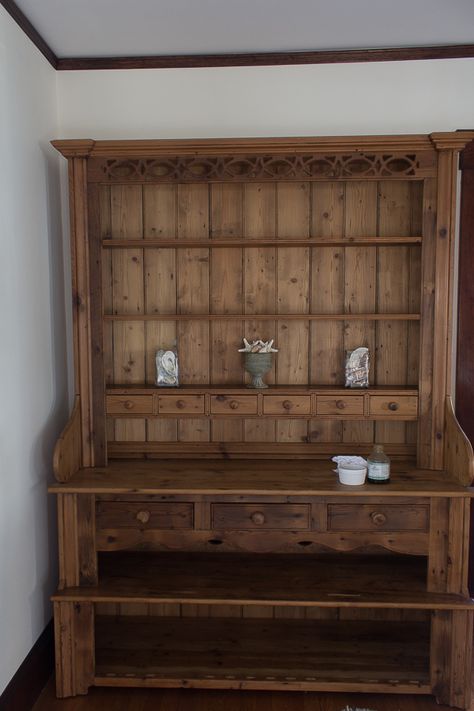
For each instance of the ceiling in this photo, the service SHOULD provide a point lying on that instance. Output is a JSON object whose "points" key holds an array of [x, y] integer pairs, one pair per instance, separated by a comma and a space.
{"points": [[127, 28]]}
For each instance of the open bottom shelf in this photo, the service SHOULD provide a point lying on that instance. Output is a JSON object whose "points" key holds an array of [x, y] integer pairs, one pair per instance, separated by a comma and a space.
{"points": [[262, 654]]}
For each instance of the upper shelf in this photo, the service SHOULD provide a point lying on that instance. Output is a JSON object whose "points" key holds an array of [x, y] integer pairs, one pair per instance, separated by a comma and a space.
{"points": [[263, 317], [260, 242]]}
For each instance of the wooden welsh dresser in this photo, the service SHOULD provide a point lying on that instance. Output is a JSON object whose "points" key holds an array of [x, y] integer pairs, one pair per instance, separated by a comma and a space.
{"points": [[204, 539]]}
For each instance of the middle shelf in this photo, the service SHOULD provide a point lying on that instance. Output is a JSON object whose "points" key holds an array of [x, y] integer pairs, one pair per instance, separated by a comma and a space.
{"points": [[372, 581]]}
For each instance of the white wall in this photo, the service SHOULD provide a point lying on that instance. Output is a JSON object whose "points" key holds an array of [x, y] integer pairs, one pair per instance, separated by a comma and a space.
{"points": [[32, 342], [337, 99]]}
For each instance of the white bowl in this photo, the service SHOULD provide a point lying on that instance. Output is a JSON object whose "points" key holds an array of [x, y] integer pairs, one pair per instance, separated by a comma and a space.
{"points": [[352, 475]]}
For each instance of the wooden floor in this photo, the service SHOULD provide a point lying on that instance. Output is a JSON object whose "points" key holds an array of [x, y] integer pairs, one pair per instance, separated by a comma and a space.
{"points": [[189, 700]]}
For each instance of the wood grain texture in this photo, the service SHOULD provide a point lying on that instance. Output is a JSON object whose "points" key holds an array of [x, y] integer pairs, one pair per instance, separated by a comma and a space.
{"points": [[458, 454], [67, 458], [74, 635]]}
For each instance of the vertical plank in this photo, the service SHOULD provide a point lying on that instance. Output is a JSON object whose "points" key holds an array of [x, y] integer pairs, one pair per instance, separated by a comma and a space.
{"points": [[226, 210], [327, 210], [425, 411], [74, 641], [67, 541], [259, 215], [327, 296], [128, 298], [293, 221], [193, 211], [359, 283], [160, 220], [160, 211], [443, 296], [86, 546], [95, 229], [438, 545], [391, 342], [193, 297], [81, 301]]}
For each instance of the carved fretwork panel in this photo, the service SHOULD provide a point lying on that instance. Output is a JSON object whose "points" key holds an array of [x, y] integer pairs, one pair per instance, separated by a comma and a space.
{"points": [[263, 167]]}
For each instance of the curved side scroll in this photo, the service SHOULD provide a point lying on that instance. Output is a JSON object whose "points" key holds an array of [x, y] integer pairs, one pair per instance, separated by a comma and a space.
{"points": [[67, 452], [458, 454]]}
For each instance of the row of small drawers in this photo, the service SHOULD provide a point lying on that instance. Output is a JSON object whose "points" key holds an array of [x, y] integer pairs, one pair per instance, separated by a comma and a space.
{"points": [[249, 516], [348, 405]]}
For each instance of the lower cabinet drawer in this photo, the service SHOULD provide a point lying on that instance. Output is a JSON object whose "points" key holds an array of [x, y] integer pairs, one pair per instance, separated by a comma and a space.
{"points": [[378, 517], [405, 405], [295, 405], [181, 404], [234, 404], [145, 515], [133, 405], [261, 516]]}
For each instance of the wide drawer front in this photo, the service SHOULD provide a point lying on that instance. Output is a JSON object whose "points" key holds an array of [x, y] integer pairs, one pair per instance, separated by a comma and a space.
{"points": [[295, 405], [132, 405], [378, 517], [128, 514], [405, 405], [234, 404], [181, 404], [261, 516]]}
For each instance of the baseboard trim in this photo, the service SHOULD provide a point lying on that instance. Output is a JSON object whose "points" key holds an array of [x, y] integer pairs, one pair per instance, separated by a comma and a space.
{"points": [[31, 678]]}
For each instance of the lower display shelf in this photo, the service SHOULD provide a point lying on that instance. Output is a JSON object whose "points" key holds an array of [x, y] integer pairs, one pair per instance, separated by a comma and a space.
{"points": [[259, 654], [234, 579]]}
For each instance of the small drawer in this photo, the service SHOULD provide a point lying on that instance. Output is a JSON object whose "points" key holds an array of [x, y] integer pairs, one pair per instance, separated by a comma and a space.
{"points": [[345, 405], [383, 517], [129, 405], [234, 404], [281, 517], [295, 405], [404, 406], [181, 404], [148, 515]]}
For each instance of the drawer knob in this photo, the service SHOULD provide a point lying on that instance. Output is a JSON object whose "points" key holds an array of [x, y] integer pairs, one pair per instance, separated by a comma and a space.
{"points": [[287, 404], [128, 405], [180, 404], [340, 404], [393, 406], [233, 404], [258, 518], [378, 518], [143, 516]]}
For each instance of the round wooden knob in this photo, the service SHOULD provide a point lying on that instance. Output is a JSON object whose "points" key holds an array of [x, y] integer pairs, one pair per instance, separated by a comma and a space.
{"points": [[143, 516], [180, 404], [393, 406], [128, 405], [287, 404], [258, 518], [340, 404], [233, 404], [378, 518]]}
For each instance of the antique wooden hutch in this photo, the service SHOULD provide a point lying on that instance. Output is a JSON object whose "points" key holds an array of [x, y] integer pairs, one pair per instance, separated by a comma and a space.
{"points": [[204, 539]]}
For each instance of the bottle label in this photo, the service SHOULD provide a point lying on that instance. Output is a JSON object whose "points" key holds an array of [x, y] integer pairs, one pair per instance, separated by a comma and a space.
{"points": [[378, 471]]}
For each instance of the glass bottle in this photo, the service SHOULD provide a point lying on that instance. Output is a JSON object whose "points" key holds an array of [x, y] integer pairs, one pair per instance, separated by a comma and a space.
{"points": [[378, 466]]}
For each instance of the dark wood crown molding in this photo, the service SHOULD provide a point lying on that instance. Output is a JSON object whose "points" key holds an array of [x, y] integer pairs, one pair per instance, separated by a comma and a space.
{"points": [[255, 59], [260, 59], [30, 31]]}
